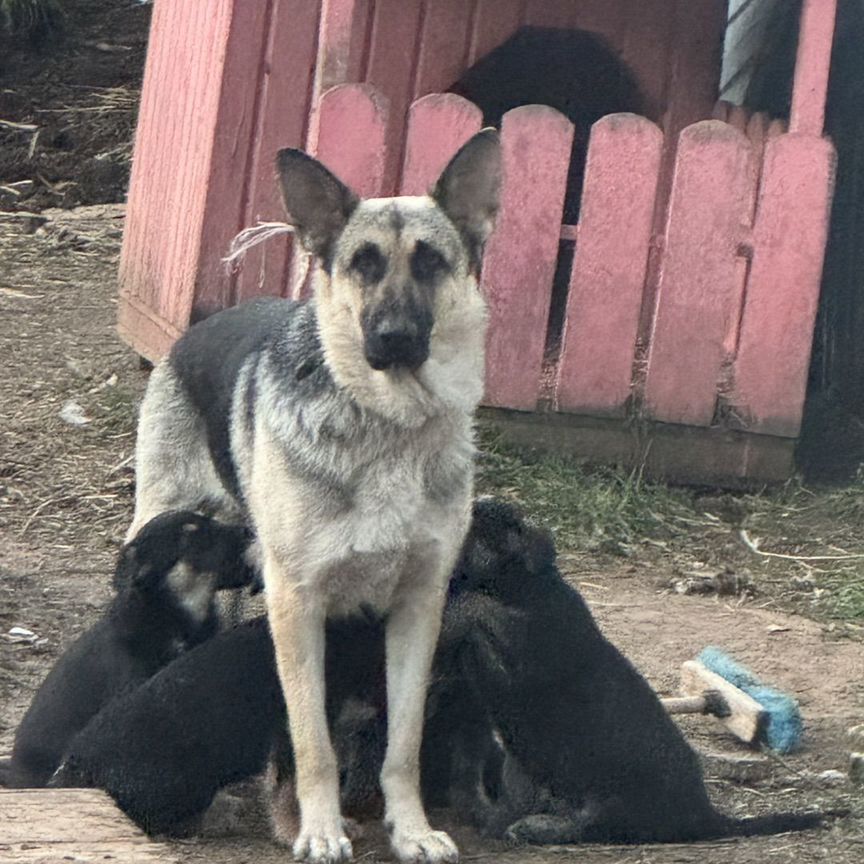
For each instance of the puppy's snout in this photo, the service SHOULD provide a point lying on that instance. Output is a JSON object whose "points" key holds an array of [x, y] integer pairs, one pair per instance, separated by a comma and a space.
{"points": [[393, 342]]}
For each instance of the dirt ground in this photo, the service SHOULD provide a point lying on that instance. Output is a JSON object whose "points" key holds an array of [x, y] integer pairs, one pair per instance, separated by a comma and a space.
{"points": [[68, 396], [68, 106]]}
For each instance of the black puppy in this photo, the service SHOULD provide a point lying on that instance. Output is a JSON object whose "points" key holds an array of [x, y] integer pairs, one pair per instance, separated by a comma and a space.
{"points": [[537, 727], [590, 754], [210, 719], [166, 579]]}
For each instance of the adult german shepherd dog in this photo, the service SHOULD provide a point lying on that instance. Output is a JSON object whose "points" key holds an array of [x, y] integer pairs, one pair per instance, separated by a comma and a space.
{"points": [[340, 428]]}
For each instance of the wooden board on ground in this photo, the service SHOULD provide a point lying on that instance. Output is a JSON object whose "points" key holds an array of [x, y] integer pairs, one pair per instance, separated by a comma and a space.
{"points": [[44, 826]]}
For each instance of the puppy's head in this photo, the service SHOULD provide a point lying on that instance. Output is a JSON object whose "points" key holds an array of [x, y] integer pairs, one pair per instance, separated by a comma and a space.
{"points": [[397, 269], [501, 552], [184, 558]]}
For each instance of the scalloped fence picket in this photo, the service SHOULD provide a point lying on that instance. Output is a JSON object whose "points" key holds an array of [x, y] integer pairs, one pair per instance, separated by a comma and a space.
{"points": [[731, 312], [720, 341]]}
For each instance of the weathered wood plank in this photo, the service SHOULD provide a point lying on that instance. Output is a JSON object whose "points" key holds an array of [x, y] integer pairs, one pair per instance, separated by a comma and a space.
{"points": [[351, 136], [694, 62], [438, 125], [82, 825], [143, 330], [607, 18], [789, 237], [608, 275], [678, 454], [391, 68], [341, 43], [191, 152], [443, 46], [494, 22], [689, 80], [552, 13], [282, 122], [708, 212], [646, 47], [738, 117], [812, 66], [351, 140], [520, 260]]}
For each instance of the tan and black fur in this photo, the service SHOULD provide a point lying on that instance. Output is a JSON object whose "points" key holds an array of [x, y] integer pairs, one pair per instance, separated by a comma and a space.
{"points": [[341, 429]]}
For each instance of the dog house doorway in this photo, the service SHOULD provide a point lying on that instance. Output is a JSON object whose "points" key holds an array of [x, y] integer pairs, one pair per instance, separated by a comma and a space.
{"points": [[577, 73]]}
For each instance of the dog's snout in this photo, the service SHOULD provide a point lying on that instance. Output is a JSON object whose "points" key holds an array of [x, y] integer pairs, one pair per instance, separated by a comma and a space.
{"points": [[396, 342]]}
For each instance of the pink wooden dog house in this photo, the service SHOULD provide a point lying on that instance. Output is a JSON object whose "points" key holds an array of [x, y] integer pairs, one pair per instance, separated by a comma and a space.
{"points": [[686, 319]]}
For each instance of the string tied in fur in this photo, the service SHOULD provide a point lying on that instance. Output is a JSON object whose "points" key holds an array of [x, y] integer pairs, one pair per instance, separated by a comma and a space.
{"points": [[263, 231]]}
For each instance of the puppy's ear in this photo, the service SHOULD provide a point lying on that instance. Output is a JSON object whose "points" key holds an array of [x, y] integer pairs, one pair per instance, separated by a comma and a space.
{"points": [[535, 545], [236, 563], [318, 203], [135, 570], [124, 570], [469, 188], [540, 550]]}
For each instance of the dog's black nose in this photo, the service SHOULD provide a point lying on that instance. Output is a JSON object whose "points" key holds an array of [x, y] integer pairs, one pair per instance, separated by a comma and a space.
{"points": [[396, 343]]}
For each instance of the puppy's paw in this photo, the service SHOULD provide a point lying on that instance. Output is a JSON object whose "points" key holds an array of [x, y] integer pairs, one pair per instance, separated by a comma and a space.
{"points": [[543, 829], [352, 828], [424, 847], [224, 816], [318, 847]]}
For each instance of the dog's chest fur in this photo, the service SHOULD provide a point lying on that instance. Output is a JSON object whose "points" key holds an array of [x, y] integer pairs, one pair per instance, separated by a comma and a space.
{"points": [[400, 513], [366, 499]]}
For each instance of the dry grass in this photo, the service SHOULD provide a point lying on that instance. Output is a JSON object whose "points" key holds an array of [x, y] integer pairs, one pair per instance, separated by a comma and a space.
{"points": [[64, 487], [796, 547]]}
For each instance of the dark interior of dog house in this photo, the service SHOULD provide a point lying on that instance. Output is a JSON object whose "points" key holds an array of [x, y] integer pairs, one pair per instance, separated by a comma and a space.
{"points": [[575, 72]]}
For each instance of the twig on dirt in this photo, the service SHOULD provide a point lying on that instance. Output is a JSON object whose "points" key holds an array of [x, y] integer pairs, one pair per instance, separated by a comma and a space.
{"points": [[86, 109], [31, 150], [776, 757], [753, 546], [752, 791], [55, 188], [11, 292], [20, 127], [479, 856], [38, 510], [126, 460], [107, 47]]}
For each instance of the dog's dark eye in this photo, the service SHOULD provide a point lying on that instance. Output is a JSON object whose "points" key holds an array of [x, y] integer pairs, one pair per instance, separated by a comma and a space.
{"points": [[369, 263], [427, 263]]}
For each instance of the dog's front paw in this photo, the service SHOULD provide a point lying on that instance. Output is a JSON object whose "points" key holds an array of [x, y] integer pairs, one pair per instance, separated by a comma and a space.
{"points": [[320, 847], [424, 847]]}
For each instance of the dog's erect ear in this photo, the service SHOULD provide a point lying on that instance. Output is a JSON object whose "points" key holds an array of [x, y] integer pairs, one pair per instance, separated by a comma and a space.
{"points": [[318, 203], [469, 188]]}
